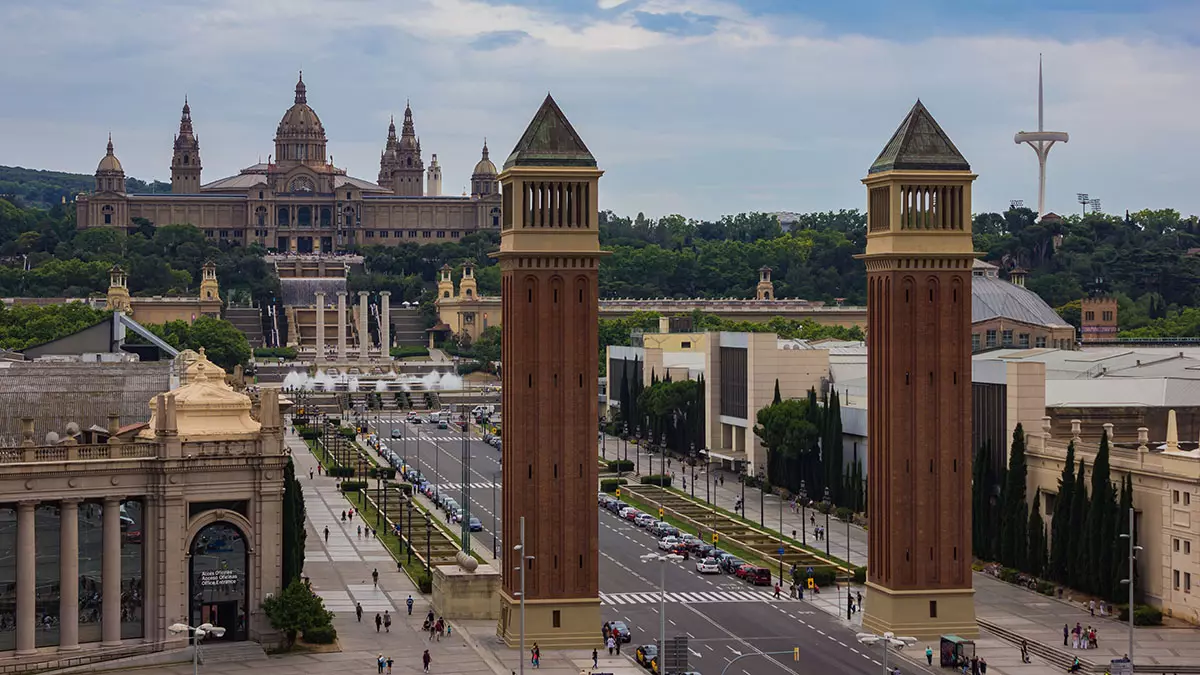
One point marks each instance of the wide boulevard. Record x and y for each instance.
(722, 616)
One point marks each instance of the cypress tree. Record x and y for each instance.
(1078, 555)
(979, 505)
(1035, 562)
(833, 427)
(1015, 513)
(1060, 527)
(813, 452)
(626, 405)
(778, 398)
(1121, 560)
(1099, 525)
(293, 532)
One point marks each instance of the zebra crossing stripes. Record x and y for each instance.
(695, 597)
(450, 487)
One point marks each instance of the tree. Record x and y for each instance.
(982, 513)
(777, 398)
(1013, 538)
(1035, 561)
(1060, 528)
(295, 610)
(831, 446)
(223, 344)
(1121, 562)
(487, 345)
(1100, 527)
(23, 326)
(1079, 538)
(294, 532)
(787, 433)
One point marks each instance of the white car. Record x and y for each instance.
(624, 513)
(708, 566)
(667, 543)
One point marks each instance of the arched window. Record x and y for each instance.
(281, 217)
(304, 216)
(260, 216)
(108, 214)
(185, 158)
(219, 584)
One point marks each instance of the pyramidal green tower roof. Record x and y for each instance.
(550, 140)
(919, 144)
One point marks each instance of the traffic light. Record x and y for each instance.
(618, 493)
(716, 537)
(811, 584)
(660, 513)
(795, 653)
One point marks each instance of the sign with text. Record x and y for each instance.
(218, 578)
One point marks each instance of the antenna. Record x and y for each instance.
(1041, 141)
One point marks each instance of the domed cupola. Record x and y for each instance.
(110, 176)
(483, 178)
(300, 137)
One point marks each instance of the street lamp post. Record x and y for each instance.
(662, 560)
(520, 550)
(198, 633)
(708, 476)
(1133, 549)
(781, 542)
(466, 489)
(825, 532)
(410, 531)
(624, 437)
(762, 499)
(495, 482)
(637, 450)
(692, 467)
(743, 479)
(888, 640)
(428, 553)
(803, 513)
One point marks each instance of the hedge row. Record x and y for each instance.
(610, 485)
(620, 465)
(340, 472)
(657, 479)
(286, 353)
(408, 350)
(353, 485)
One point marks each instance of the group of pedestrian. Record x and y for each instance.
(611, 639)
(386, 662)
(370, 532)
(535, 656)
(1079, 637)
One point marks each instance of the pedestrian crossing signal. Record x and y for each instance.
(716, 537)
(795, 653)
(660, 513)
(811, 583)
(618, 493)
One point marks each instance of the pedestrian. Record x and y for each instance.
(359, 532)
(378, 621)
(375, 577)
(387, 621)
(974, 665)
(859, 599)
(1024, 651)
(982, 666)
(425, 660)
(611, 644)
(618, 647)
(320, 470)
(326, 534)
(595, 659)
(1092, 607)
(389, 665)
(1066, 632)
(722, 480)
(929, 655)
(379, 661)
(310, 473)
(534, 654)
(409, 602)
(604, 631)
(358, 611)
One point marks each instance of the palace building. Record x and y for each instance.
(298, 201)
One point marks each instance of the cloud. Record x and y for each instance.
(701, 107)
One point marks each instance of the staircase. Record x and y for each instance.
(249, 321)
(231, 652)
(408, 327)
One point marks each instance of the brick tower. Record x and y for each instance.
(549, 259)
(918, 259)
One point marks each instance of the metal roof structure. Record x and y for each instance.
(992, 298)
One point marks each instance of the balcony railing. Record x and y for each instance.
(77, 453)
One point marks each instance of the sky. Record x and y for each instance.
(698, 107)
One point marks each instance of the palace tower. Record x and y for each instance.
(549, 259)
(918, 258)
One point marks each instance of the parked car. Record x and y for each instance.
(620, 631)
(743, 570)
(730, 563)
(759, 576)
(644, 520)
(668, 530)
(681, 550)
(667, 543)
(707, 566)
(396, 433)
(475, 525)
(646, 653)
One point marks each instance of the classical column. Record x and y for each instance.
(364, 334)
(110, 620)
(26, 578)
(385, 328)
(341, 326)
(68, 574)
(320, 326)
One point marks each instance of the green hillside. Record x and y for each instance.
(44, 189)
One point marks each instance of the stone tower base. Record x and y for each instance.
(907, 613)
(578, 623)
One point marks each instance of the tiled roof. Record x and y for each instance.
(993, 298)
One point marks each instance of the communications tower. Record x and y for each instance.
(1041, 141)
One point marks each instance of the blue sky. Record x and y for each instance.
(699, 107)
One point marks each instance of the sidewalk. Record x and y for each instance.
(1035, 617)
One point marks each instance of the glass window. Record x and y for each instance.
(412, 234)
(218, 579)
(282, 216)
(370, 234)
(224, 234)
(326, 216)
(1023, 339)
(304, 216)
(91, 567)
(383, 234)
(1175, 542)
(1089, 316)
(132, 593)
(1007, 338)
(1175, 576)
(974, 342)
(1175, 496)
(991, 338)
(1187, 547)
(8, 576)
(425, 234)
(1187, 498)
(1187, 582)
(1107, 315)
(454, 234)
(441, 234)
(1039, 342)
(47, 544)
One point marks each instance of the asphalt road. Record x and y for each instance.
(723, 617)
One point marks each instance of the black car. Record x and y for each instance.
(730, 563)
(620, 631)
(616, 505)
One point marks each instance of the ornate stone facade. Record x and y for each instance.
(298, 201)
(106, 545)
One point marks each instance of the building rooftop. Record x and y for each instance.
(992, 297)
(919, 144)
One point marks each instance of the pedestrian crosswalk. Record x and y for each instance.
(691, 598)
(372, 599)
(450, 487)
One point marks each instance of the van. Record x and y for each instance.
(759, 576)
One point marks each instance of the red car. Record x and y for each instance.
(632, 515)
(759, 576)
(742, 571)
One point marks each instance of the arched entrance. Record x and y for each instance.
(219, 579)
